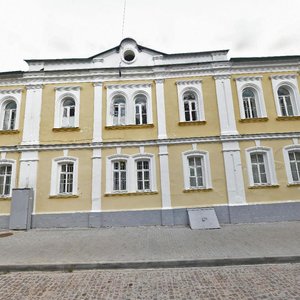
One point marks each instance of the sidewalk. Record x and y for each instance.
(61, 249)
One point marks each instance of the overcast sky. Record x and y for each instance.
(81, 28)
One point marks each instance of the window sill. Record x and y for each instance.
(63, 196)
(254, 120)
(130, 194)
(65, 129)
(296, 184)
(133, 126)
(197, 190)
(267, 186)
(288, 118)
(9, 131)
(190, 123)
(3, 198)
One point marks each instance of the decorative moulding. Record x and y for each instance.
(222, 77)
(128, 86)
(198, 190)
(67, 88)
(9, 132)
(264, 186)
(34, 86)
(191, 123)
(12, 91)
(284, 76)
(248, 78)
(254, 120)
(131, 194)
(66, 129)
(129, 126)
(188, 82)
(62, 196)
(288, 118)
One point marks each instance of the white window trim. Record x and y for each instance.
(11, 162)
(109, 173)
(193, 86)
(129, 91)
(206, 169)
(150, 157)
(270, 165)
(255, 84)
(289, 81)
(54, 187)
(286, 158)
(61, 93)
(4, 99)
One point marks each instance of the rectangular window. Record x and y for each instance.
(119, 176)
(5, 180)
(143, 175)
(295, 165)
(196, 171)
(258, 165)
(66, 178)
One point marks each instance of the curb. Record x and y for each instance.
(151, 264)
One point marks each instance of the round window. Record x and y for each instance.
(129, 55)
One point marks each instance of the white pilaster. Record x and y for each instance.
(234, 173)
(97, 135)
(164, 176)
(225, 105)
(161, 111)
(28, 172)
(96, 180)
(32, 119)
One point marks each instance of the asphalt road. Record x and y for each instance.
(281, 281)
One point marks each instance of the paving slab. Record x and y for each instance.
(125, 245)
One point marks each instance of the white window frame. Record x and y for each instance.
(55, 175)
(7, 96)
(61, 94)
(152, 170)
(194, 86)
(288, 81)
(269, 165)
(129, 92)
(207, 182)
(253, 83)
(140, 105)
(12, 163)
(286, 150)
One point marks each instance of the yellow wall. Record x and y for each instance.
(217, 195)
(86, 116)
(270, 194)
(130, 202)
(212, 126)
(83, 202)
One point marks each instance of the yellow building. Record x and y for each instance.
(133, 136)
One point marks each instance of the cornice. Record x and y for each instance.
(11, 91)
(248, 78)
(188, 82)
(157, 142)
(34, 86)
(67, 88)
(283, 76)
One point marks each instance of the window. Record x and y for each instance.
(67, 102)
(261, 167)
(140, 109)
(5, 180)
(130, 174)
(251, 98)
(143, 175)
(196, 169)
(119, 110)
(119, 176)
(129, 104)
(249, 103)
(68, 110)
(190, 106)
(9, 118)
(190, 100)
(64, 176)
(291, 156)
(284, 97)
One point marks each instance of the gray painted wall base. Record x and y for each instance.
(225, 214)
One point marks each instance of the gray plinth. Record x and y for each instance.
(203, 218)
(21, 209)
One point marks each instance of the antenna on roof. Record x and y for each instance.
(123, 25)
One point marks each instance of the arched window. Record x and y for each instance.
(249, 102)
(190, 106)
(285, 101)
(140, 109)
(119, 110)
(68, 112)
(9, 116)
